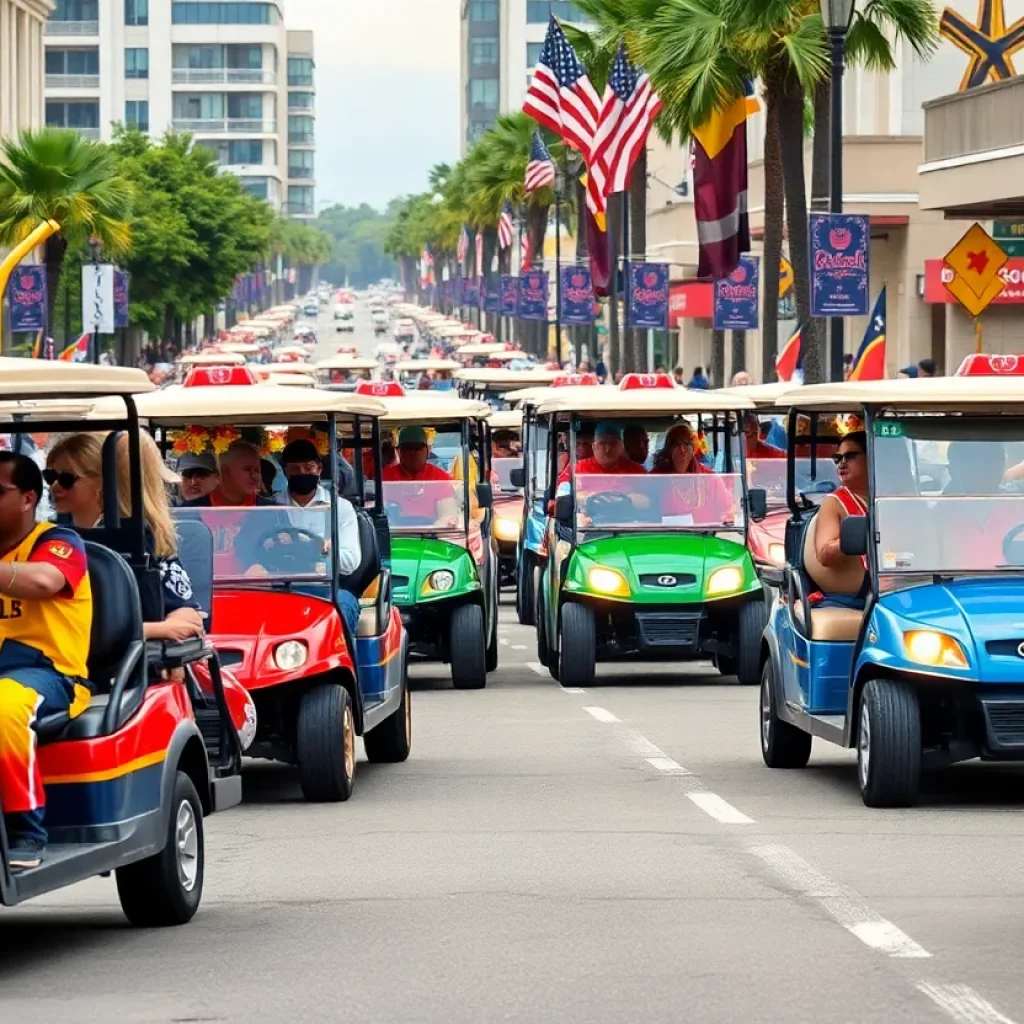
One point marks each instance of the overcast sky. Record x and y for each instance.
(387, 104)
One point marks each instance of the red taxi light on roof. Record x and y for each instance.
(644, 381)
(207, 376)
(380, 388)
(566, 380)
(981, 365)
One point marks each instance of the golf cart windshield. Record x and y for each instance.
(949, 494)
(814, 478)
(426, 506)
(502, 468)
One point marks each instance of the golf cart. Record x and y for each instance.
(129, 780)
(343, 369)
(655, 564)
(277, 578)
(508, 497)
(492, 384)
(410, 371)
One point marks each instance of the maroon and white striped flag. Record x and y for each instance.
(527, 263)
(561, 96)
(505, 226)
(540, 170)
(479, 253)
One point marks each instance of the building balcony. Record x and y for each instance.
(300, 81)
(301, 138)
(72, 28)
(223, 76)
(225, 126)
(269, 171)
(301, 175)
(299, 210)
(72, 81)
(297, 108)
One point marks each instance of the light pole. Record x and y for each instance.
(95, 247)
(837, 15)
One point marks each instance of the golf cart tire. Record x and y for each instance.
(391, 741)
(725, 664)
(492, 636)
(325, 716)
(577, 655)
(151, 891)
(750, 623)
(889, 763)
(525, 606)
(543, 653)
(468, 647)
(782, 745)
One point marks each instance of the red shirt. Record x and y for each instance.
(217, 500)
(418, 503)
(764, 451)
(708, 501)
(397, 472)
(624, 467)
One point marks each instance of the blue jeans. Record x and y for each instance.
(348, 605)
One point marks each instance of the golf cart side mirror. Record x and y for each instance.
(563, 509)
(853, 536)
(517, 477)
(757, 503)
(484, 495)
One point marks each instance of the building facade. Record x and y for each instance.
(219, 69)
(21, 64)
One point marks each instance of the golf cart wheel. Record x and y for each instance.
(725, 664)
(578, 653)
(468, 646)
(525, 607)
(166, 889)
(782, 745)
(543, 655)
(391, 741)
(326, 743)
(750, 623)
(888, 744)
(492, 636)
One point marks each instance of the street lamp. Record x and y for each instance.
(837, 15)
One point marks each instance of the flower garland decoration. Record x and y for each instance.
(222, 438)
(190, 441)
(272, 443)
(700, 445)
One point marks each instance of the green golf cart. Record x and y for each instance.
(646, 538)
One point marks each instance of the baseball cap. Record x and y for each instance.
(412, 435)
(909, 371)
(607, 429)
(187, 462)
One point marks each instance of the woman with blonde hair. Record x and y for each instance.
(75, 475)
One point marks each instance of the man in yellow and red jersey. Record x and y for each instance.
(45, 624)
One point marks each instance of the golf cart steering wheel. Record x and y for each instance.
(290, 550)
(1013, 546)
(609, 503)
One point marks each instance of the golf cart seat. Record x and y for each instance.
(195, 552)
(368, 569)
(829, 624)
(117, 668)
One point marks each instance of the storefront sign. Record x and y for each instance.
(98, 298)
(577, 295)
(648, 295)
(937, 276)
(27, 296)
(839, 264)
(1010, 236)
(120, 298)
(691, 300)
(470, 291)
(491, 294)
(509, 295)
(533, 295)
(736, 297)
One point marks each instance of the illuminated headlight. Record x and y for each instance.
(726, 580)
(928, 647)
(442, 581)
(607, 581)
(290, 655)
(506, 528)
(777, 554)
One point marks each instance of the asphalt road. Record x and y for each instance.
(618, 854)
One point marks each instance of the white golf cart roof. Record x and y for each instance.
(484, 348)
(506, 419)
(605, 401)
(212, 359)
(425, 365)
(492, 377)
(291, 380)
(441, 407)
(952, 394)
(345, 361)
(44, 378)
(762, 395)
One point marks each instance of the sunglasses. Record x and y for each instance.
(66, 479)
(842, 457)
(191, 474)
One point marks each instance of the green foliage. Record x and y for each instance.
(357, 236)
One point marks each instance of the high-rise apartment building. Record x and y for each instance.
(21, 64)
(220, 69)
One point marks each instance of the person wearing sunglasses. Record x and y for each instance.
(199, 476)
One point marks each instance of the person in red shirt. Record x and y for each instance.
(707, 502)
(757, 448)
(240, 480)
(431, 503)
(609, 457)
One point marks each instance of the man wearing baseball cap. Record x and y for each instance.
(198, 475)
(413, 465)
(609, 456)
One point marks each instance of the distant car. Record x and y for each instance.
(343, 312)
(310, 309)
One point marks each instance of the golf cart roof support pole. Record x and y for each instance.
(572, 477)
(357, 456)
(332, 462)
(791, 423)
(135, 477)
(869, 454)
(21, 250)
(467, 465)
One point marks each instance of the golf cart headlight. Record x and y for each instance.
(928, 647)
(607, 581)
(290, 655)
(506, 528)
(725, 580)
(777, 554)
(442, 581)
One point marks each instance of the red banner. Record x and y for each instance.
(936, 274)
(690, 300)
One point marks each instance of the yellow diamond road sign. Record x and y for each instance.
(785, 277)
(976, 261)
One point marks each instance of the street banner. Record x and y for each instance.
(839, 264)
(533, 295)
(736, 297)
(577, 295)
(492, 294)
(470, 291)
(509, 295)
(26, 294)
(120, 298)
(98, 298)
(648, 295)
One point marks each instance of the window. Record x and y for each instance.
(244, 57)
(533, 55)
(245, 151)
(198, 106)
(72, 62)
(539, 11)
(300, 163)
(245, 105)
(300, 199)
(76, 10)
(136, 112)
(301, 129)
(136, 12)
(73, 113)
(227, 13)
(136, 62)
(476, 129)
(483, 50)
(483, 93)
(483, 10)
(300, 70)
(257, 187)
(300, 101)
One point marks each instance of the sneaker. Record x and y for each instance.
(25, 854)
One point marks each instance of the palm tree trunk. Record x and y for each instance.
(537, 225)
(638, 247)
(582, 335)
(614, 234)
(774, 212)
(53, 258)
(821, 157)
(739, 352)
(716, 371)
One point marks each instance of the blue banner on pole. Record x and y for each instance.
(736, 297)
(492, 295)
(508, 295)
(120, 298)
(26, 294)
(470, 291)
(839, 264)
(648, 296)
(533, 295)
(577, 295)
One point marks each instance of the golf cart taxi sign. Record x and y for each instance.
(983, 365)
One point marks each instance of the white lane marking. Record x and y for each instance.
(721, 810)
(963, 1004)
(536, 666)
(601, 714)
(519, 647)
(641, 745)
(573, 689)
(841, 904)
(503, 642)
(667, 766)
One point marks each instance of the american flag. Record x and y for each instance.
(505, 226)
(540, 170)
(561, 96)
(479, 253)
(462, 251)
(629, 109)
(527, 263)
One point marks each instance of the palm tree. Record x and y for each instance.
(55, 174)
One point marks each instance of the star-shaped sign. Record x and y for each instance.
(988, 42)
